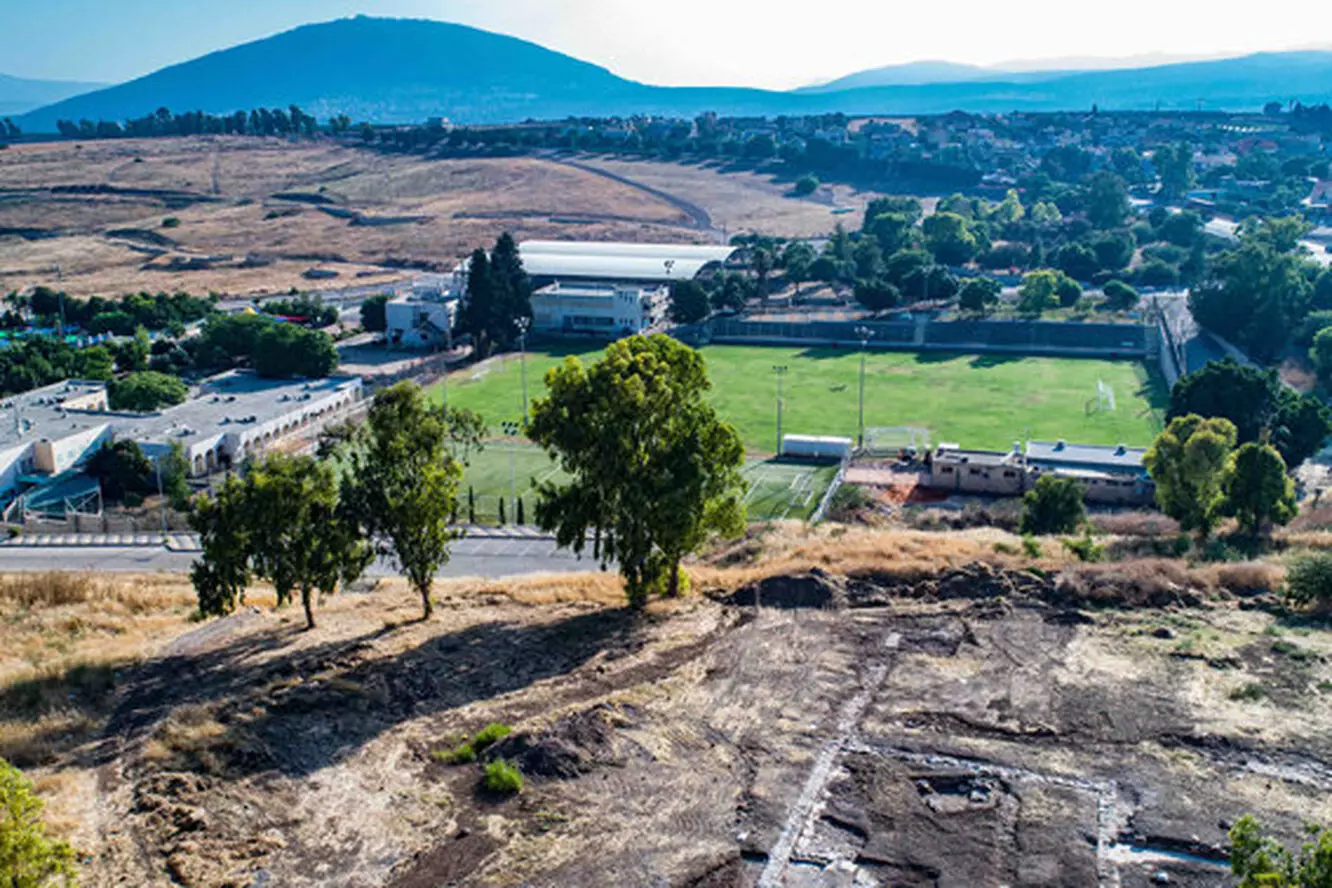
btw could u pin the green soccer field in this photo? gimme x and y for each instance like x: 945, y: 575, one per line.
x: 977, y: 401
x: 505, y: 470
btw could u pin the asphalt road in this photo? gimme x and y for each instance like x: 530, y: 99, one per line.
x: 490, y: 558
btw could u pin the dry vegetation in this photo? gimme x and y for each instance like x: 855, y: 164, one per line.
x: 672, y: 747
x: 96, y: 209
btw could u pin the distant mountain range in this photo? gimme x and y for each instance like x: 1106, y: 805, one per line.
x: 18, y: 95
x: 405, y: 70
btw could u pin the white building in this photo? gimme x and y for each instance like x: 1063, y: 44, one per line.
x: 420, y: 323
x: 52, y: 430
x: 610, y: 309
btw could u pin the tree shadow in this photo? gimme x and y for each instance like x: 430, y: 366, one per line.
x: 982, y: 362
x: 299, y: 712
x: 935, y: 357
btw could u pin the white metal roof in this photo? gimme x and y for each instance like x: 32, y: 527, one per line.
x: 612, y: 268
x: 709, y: 253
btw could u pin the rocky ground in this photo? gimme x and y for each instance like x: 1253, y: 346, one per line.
x: 975, y: 726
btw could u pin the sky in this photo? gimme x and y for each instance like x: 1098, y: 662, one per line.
x: 765, y: 43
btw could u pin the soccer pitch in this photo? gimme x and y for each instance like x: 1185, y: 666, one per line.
x: 978, y: 401
x: 505, y: 469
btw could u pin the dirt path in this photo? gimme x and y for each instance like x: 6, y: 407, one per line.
x: 701, y: 218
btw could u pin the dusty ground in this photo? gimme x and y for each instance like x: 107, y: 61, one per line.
x: 924, y: 722
x: 256, y: 214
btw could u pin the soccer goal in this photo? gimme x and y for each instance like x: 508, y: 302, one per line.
x: 1104, y: 400
x: 892, y: 440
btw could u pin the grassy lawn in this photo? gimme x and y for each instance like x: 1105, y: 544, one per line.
x: 979, y: 401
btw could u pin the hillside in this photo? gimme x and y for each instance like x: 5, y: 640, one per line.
x: 832, y: 707
x: 400, y: 70
x: 19, y: 95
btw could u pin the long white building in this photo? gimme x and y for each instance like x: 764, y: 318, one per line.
x: 611, y: 309
x: 47, y: 432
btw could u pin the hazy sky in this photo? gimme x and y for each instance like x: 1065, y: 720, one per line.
x: 745, y: 42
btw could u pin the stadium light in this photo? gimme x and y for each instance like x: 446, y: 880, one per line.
x: 511, y: 430
x: 863, y: 334
x: 780, y: 370
x: 523, y: 325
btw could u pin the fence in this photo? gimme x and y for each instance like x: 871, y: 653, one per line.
x: 1071, y: 339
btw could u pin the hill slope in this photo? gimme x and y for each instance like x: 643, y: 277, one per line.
x: 19, y: 95
x: 399, y: 70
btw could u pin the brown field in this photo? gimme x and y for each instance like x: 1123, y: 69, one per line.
x: 95, y: 211
x: 918, y: 711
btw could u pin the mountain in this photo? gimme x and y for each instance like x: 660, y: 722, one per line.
x: 909, y: 74
x: 407, y: 70
x: 18, y: 95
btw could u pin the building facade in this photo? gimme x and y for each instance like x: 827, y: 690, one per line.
x: 1107, y: 475
x: 600, y: 309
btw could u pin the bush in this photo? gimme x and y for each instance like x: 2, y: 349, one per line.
x: 1249, y: 693
x: 846, y: 501
x: 502, y: 777
x: 490, y: 735
x: 1031, y: 547
x: 1309, y: 580
x: 27, y: 856
x: 170, y: 222
x: 462, y: 754
x: 1085, y: 548
x: 1054, y: 505
x: 806, y: 184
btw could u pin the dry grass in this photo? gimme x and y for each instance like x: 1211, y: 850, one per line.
x: 453, y: 205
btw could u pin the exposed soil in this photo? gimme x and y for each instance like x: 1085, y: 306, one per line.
x: 973, y: 727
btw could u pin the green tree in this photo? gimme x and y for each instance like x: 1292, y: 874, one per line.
x: 1259, y: 861
x: 761, y: 263
x: 949, y: 239
x: 1188, y: 461
x: 1053, y: 505
x: 1107, y: 200
x: 131, y: 356
x: 1244, y: 395
x: 979, y: 295
x: 689, y: 302
x: 121, y: 469
x: 798, y: 257
x: 374, y: 313
x: 174, y: 468
x: 867, y: 257
x: 499, y: 293
x: 1255, y: 294
x: 1174, y: 164
x: 805, y: 185
x: 1256, y: 489
x: 28, y: 857
x: 652, y: 471
x: 894, y: 232
x: 1113, y: 249
x: 283, y: 351
x: 1321, y: 355
x: 223, y: 571
x: 406, y: 484
x: 303, y: 537
x: 1300, y: 425
x: 1281, y: 233
x: 147, y: 391
x: 1119, y: 296
x: 877, y: 294
x: 1037, y: 291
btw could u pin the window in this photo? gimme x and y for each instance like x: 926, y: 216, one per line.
x: 975, y: 471
x: 1009, y: 474
x: 946, y: 470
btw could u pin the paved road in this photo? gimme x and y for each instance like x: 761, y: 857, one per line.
x: 471, y: 558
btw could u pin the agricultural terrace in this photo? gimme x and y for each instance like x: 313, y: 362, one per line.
x: 978, y: 401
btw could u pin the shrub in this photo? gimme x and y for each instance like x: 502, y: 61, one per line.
x: 1054, y: 505
x: 1005, y: 549
x: 1249, y: 693
x: 1031, y: 547
x: 490, y: 735
x: 27, y: 856
x: 502, y: 777
x: 462, y: 754
x: 806, y: 184
x: 1085, y: 547
x: 170, y: 222
x: 846, y: 501
x: 1309, y: 580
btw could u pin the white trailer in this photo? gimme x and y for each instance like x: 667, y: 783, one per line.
x: 816, y: 447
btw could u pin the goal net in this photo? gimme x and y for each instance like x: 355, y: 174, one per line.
x: 1104, y: 400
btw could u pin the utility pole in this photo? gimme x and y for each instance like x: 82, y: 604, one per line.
x: 523, y: 325
x: 161, y: 496
x: 863, y: 334
x: 780, y: 370
x: 60, y: 297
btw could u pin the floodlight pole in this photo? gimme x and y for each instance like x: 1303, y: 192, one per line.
x: 511, y: 429
x: 780, y: 370
x: 523, y: 325
x: 863, y: 334
x: 160, y: 494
